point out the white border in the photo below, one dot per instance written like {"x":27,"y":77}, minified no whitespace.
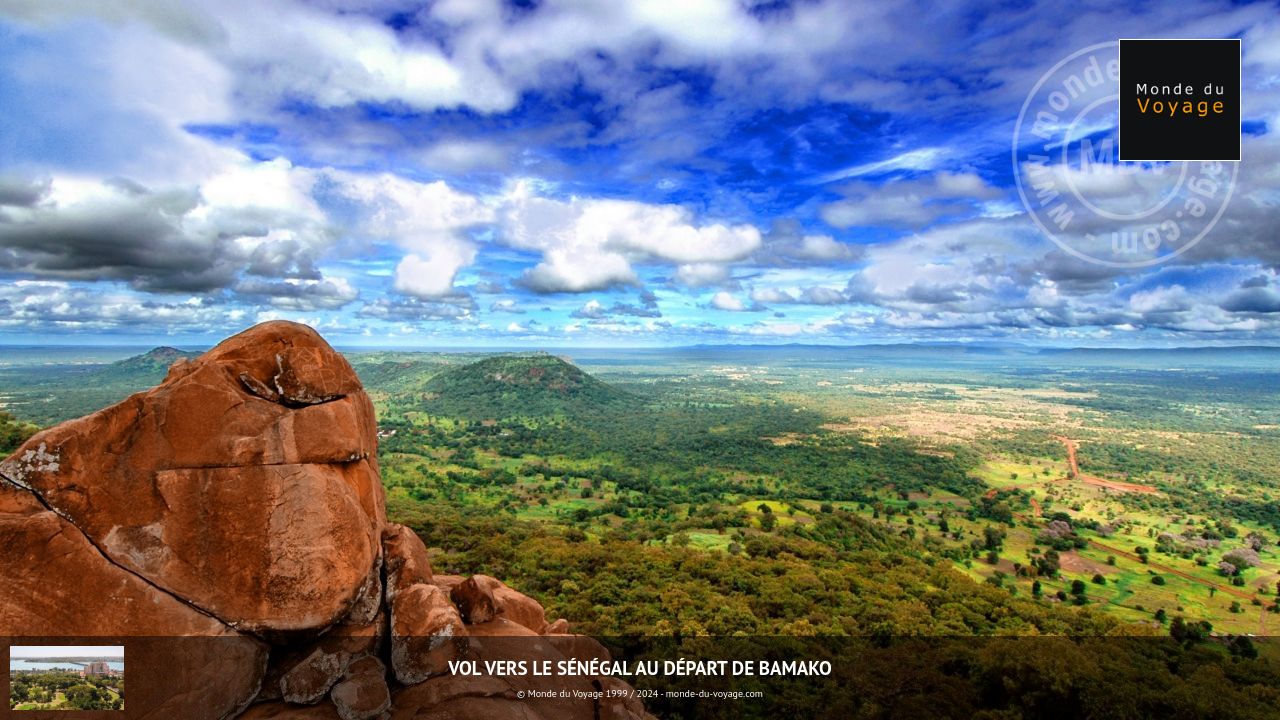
{"x":1239,"y":106}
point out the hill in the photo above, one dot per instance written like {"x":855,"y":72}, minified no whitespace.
{"x":519,"y":385}
{"x":143,"y":370}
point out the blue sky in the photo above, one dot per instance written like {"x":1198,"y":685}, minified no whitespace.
{"x":592,"y":173}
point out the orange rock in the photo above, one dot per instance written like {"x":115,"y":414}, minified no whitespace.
{"x":310,"y":679}
{"x":281,"y":711}
{"x":426,"y":633}
{"x":579,"y":647}
{"x":245,"y":484}
{"x":481,"y":598}
{"x":500,"y":627}
{"x":447,"y":582}
{"x":363,"y":692}
{"x":406,"y":558}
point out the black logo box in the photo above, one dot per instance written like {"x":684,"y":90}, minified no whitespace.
{"x":1180,"y":65}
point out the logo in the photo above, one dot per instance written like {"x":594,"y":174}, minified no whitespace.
{"x":1180,"y":100}
{"x":1082,"y":196}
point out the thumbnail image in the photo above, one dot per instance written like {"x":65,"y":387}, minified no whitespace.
{"x":66,"y":677}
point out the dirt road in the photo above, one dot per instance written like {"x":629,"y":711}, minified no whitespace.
{"x":1097,"y":481}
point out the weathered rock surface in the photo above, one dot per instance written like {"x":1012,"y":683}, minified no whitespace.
{"x":310,"y":679}
{"x":406,"y":557}
{"x":229,"y":526}
{"x":55,"y":583}
{"x":265,"y":512}
{"x":481,"y":598}
{"x":426,"y":633}
{"x":363,"y":692}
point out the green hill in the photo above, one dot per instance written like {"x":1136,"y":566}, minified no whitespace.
{"x":519,"y":385}
{"x":142,"y":371}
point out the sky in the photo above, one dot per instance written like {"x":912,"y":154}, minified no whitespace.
{"x":49,"y":651}
{"x":590,"y":173}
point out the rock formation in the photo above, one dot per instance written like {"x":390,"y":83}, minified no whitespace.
{"x":228,"y":527}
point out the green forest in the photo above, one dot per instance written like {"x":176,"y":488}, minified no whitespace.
{"x":64,"y":690}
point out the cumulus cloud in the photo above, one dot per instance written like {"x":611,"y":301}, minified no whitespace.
{"x":254,"y":218}
{"x":54,"y":306}
{"x":412,"y":309}
{"x":772,"y":296}
{"x":156,"y":96}
{"x":299,"y":294}
{"x":812,"y":295}
{"x":724,"y":300}
{"x":430,"y":220}
{"x":589,"y":244}
{"x":697,"y":275}
{"x":787,"y":245}
{"x":506,"y":305}
{"x":595,"y":310}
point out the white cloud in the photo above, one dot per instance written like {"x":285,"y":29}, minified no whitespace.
{"x":564,"y":270}
{"x":37,"y":305}
{"x":250,"y":217}
{"x":427,"y":219}
{"x":909,"y":203}
{"x":727,"y":301}
{"x":591,"y":309}
{"x":589,"y":244}
{"x":919,"y":159}
{"x":431,"y":274}
{"x":771,"y":296}
{"x":696,"y":275}
{"x":505,"y":305}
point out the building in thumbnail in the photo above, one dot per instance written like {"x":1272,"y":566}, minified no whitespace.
{"x":97,"y":668}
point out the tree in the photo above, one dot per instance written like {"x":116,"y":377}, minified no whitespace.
{"x":992,"y":538}
{"x":1098,"y":579}
{"x":1241,"y":646}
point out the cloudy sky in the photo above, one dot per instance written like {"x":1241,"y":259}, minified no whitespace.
{"x":589,"y":172}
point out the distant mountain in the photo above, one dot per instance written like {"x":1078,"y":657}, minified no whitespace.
{"x":513,"y":385}
{"x":143,"y":370}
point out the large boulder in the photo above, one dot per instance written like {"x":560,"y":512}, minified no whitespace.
{"x":481,"y":598}
{"x":426,"y":633}
{"x":245,"y":484}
